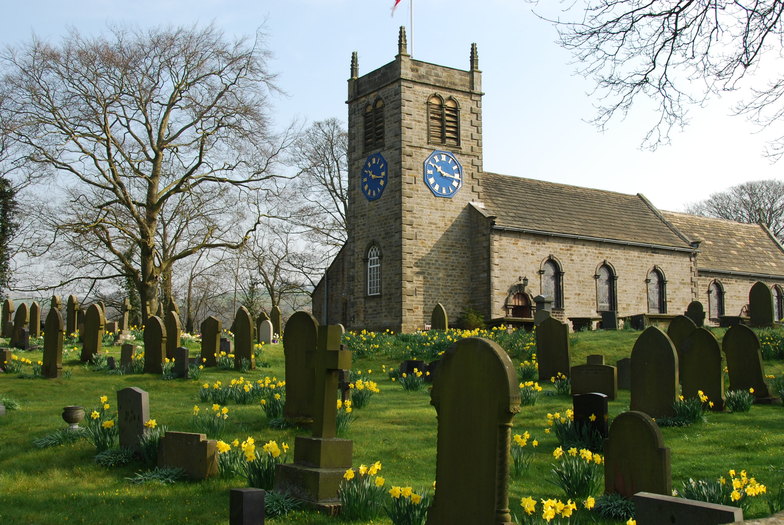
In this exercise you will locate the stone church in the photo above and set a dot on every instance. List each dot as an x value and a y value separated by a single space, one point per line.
427 225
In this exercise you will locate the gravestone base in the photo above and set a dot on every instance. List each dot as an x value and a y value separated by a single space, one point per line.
323 452
770 400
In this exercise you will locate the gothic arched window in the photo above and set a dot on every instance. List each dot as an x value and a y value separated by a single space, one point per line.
606 300
374 270
657 292
552 282
715 300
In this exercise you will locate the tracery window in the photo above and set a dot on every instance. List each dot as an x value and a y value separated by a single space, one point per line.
374 271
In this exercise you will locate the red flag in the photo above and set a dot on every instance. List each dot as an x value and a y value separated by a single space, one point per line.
395 6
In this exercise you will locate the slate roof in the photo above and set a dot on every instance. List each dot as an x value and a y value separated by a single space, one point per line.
551 208
730 246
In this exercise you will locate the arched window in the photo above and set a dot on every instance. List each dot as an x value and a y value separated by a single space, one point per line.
519 306
374 271
605 289
443 121
715 300
657 292
552 282
778 302
374 125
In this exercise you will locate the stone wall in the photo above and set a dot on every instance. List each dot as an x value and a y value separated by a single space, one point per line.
736 291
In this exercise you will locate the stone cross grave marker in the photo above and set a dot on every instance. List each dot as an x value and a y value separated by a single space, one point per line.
299 347
680 328
473 416
744 361
654 374
133 411
438 318
54 333
125 323
21 320
173 332
265 331
243 339
181 362
126 356
696 312
655 509
92 338
330 359
35 319
624 368
552 349
154 344
761 311
635 458
592 410
595 376
71 315
7 318
211 329
700 367
193 453
277 318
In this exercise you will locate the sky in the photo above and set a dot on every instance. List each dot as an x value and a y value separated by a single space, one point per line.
535 108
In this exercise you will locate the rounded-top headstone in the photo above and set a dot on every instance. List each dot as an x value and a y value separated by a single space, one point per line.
696 312
654 374
761 311
700 367
679 329
744 361
299 345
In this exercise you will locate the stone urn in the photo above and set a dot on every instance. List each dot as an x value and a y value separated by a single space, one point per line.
73 415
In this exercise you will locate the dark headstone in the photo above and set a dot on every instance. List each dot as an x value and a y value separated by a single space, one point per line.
696 312
277 320
624 369
173 332
595 359
226 345
7 319
700 367
21 319
133 411
655 509
263 316
92 338
54 333
595 378
181 361
80 320
154 344
544 304
193 453
71 315
744 361
210 340
299 346
475 396
126 356
110 327
246 506
609 320
438 318
592 410
35 320
243 339
761 311
24 339
681 327
654 374
5 357
56 302
110 363
432 368
409 365
635 458
552 349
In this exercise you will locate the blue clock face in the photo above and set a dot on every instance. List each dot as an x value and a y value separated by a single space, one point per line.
443 174
373 178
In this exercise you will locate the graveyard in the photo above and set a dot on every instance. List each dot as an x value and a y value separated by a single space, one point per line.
396 430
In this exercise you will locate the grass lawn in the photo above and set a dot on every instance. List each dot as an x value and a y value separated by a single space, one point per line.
64 485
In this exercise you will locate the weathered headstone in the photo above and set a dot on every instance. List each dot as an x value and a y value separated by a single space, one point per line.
761 311
71 315
265 332
552 349
181 361
264 316
110 363
299 346
410 366
7 318
126 356
126 312
696 312
133 411
210 340
227 346
92 338
595 377
624 369
54 333
80 321
277 319
5 357
243 339
246 506
476 383
680 328
655 509
744 361
700 367
193 453
21 319
609 320
35 319
635 458
56 303
154 344
544 305
654 376
438 318
591 410
173 332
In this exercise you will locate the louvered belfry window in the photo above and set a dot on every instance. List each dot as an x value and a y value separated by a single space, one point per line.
374 125
443 121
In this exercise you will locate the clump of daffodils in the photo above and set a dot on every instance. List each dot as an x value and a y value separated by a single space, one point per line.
522 453
361 492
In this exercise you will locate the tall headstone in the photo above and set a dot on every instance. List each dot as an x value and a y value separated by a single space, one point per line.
591 410
7 318
552 349
92 338
700 367
71 315
299 347
35 319
265 331
609 320
54 333
181 361
133 410
761 311
173 332
654 374
154 345
210 340
475 395
277 318
21 320
126 313
544 307
56 302
624 368
80 321
193 453
243 339
5 357
595 376
438 318
126 356
696 312
635 458
680 328
744 361
246 506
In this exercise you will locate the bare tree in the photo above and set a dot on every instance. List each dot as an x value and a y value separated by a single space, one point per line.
679 54
142 126
754 202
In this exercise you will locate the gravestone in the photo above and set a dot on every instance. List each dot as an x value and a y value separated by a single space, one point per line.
544 305
110 327
21 318
552 349
696 312
56 302
54 333
700 367
92 337
744 362
7 319
321 460
635 458
609 320
409 365
5 357
680 328
761 311
126 356
71 315
181 361
624 369
35 319
655 509
263 316
243 339
193 453
592 410
654 374
173 332
80 321
438 318
125 323
210 340
475 396
299 347
265 332
246 506
110 364
595 377
133 411
227 346
154 344
277 319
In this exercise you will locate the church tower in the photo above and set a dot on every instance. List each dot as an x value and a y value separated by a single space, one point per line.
415 164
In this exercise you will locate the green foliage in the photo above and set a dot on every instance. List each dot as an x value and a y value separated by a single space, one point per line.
712 491
738 400
413 381
613 506
771 343
687 412
562 384
148 444
167 369
578 474
261 469
278 504
61 436
470 319
161 475
528 371
521 453
406 507
529 393
361 494
8 402
114 457
572 435
777 386
210 422
14 366
101 429
345 416
736 491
